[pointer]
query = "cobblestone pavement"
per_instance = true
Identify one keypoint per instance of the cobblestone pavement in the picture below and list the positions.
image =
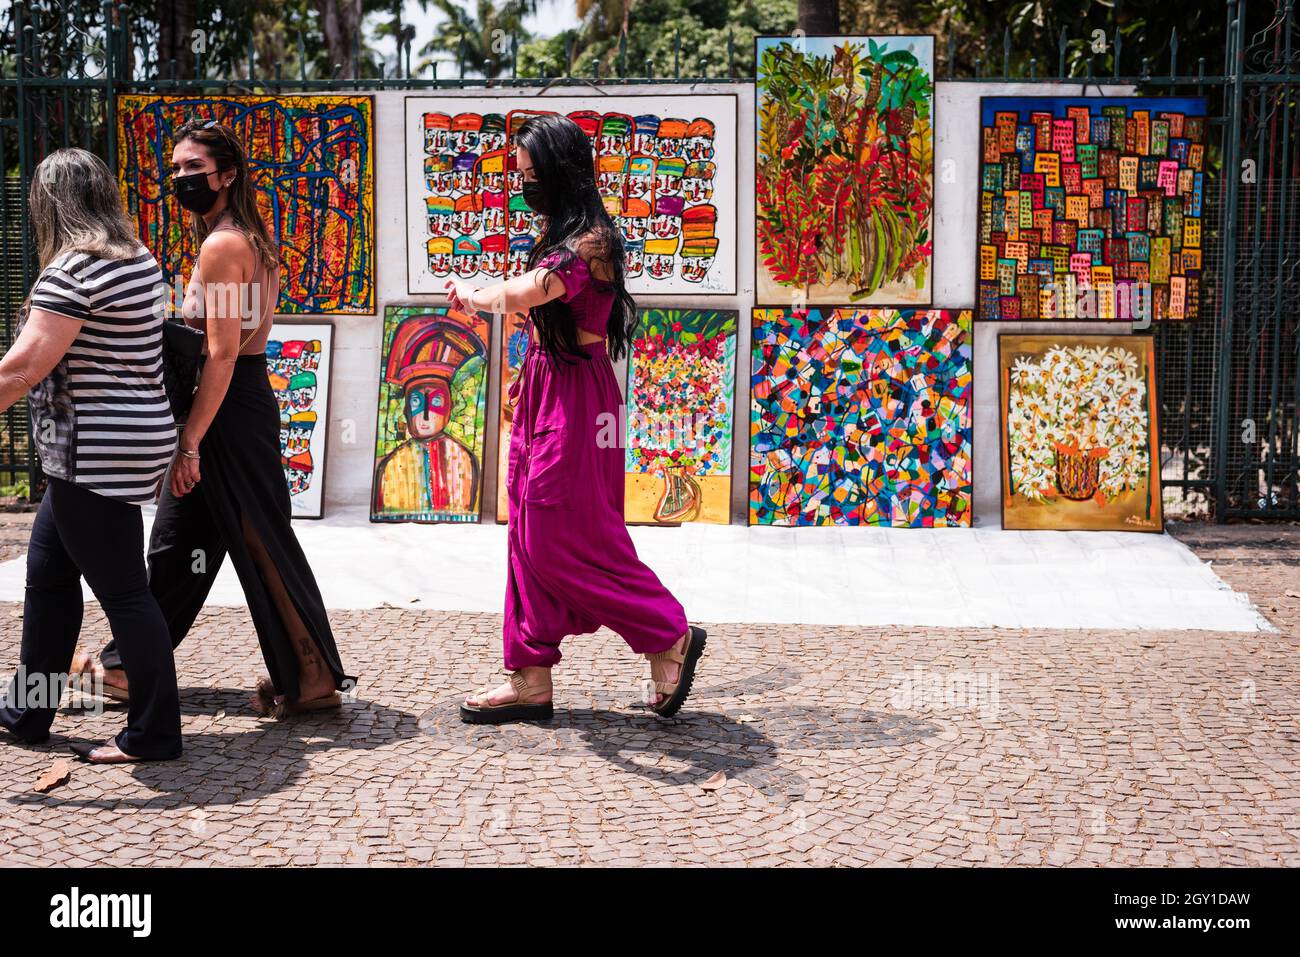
(799, 746)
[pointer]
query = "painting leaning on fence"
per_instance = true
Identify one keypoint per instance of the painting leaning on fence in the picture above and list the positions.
(845, 169)
(298, 361)
(311, 160)
(861, 417)
(665, 169)
(1090, 207)
(1079, 432)
(432, 413)
(514, 346)
(681, 389)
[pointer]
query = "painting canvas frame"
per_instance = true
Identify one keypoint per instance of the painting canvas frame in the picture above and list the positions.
(285, 330)
(713, 501)
(435, 373)
(722, 276)
(962, 321)
(766, 288)
(512, 330)
(1082, 476)
(1193, 291)
(357, 228)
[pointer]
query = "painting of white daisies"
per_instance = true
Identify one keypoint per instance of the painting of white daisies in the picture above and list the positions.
(1079, 447)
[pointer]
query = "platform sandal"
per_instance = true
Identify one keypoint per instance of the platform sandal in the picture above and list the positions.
(686, 659)
(515, 710)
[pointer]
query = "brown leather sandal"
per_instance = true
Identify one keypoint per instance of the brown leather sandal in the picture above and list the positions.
(268, 706)
(515, 710)
(686, 659)
(87, 676)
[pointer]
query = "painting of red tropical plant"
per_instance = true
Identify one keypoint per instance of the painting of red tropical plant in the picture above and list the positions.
(845, 168)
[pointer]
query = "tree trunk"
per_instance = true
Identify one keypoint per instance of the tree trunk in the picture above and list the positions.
(398, 33)
(340, 20)
(176, 22)
(819, 16)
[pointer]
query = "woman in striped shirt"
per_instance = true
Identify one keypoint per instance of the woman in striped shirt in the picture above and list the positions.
(89, 357)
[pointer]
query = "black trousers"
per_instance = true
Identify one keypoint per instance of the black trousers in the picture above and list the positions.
(241, 477)
(79, 532)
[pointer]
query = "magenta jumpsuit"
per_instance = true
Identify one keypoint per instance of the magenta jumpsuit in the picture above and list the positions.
(572, 566)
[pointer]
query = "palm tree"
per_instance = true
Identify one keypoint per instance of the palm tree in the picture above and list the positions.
(482, 43)
(611, 12)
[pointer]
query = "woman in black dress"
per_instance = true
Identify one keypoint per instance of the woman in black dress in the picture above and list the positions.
(226, 491)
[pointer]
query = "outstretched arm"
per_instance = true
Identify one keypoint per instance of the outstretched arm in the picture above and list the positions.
(518, 294)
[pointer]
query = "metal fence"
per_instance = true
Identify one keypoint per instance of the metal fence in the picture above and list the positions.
(1228, 383)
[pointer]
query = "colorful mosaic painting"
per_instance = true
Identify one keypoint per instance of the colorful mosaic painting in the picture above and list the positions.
(1079, 433)
(681, 388)
(845, 169)
(665, 167)
(1090, 207)
(514, 346)
(432, 410)
(860, 417)
(298, 359)
(312, 163)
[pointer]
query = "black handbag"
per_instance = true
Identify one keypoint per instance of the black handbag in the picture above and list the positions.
(181, 351)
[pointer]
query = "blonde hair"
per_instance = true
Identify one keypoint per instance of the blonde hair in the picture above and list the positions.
(76, 207)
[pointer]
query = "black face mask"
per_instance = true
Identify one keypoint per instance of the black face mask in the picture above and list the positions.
(194, 193)
(535, 198)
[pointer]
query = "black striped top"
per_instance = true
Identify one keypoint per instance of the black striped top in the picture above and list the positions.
(101, 418)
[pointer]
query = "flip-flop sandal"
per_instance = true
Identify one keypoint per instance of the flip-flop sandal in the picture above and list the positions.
(516, 710)
(678, 691)
(112, 691)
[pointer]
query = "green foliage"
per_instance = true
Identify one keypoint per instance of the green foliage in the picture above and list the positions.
(483, 40)
(1034, 29)
(19, 489)
(656, 27)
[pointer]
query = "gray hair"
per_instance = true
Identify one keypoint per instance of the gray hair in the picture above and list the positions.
(76, 207)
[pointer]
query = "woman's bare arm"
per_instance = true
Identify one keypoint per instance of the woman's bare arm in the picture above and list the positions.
(518, 294)
(45, 339)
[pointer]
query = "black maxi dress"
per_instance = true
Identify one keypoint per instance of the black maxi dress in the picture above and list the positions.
(240, 473)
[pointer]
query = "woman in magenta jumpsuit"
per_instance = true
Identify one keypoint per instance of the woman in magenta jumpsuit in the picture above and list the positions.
(572, 565)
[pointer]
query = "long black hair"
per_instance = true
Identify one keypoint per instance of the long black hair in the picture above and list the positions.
(576, 225)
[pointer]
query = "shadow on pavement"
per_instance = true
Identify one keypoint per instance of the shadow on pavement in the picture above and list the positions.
(228, 767)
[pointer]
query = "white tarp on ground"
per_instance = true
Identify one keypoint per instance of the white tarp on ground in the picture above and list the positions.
(976, 578)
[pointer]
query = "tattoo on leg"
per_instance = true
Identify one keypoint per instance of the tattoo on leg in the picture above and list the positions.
(308, 652)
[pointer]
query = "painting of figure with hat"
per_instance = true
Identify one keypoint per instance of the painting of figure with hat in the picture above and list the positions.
(432, 402)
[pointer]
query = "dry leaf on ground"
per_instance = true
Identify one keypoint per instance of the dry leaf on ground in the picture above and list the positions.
(56, 774)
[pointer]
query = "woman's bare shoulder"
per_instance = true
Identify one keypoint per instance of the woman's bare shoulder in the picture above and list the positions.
(225, 246)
